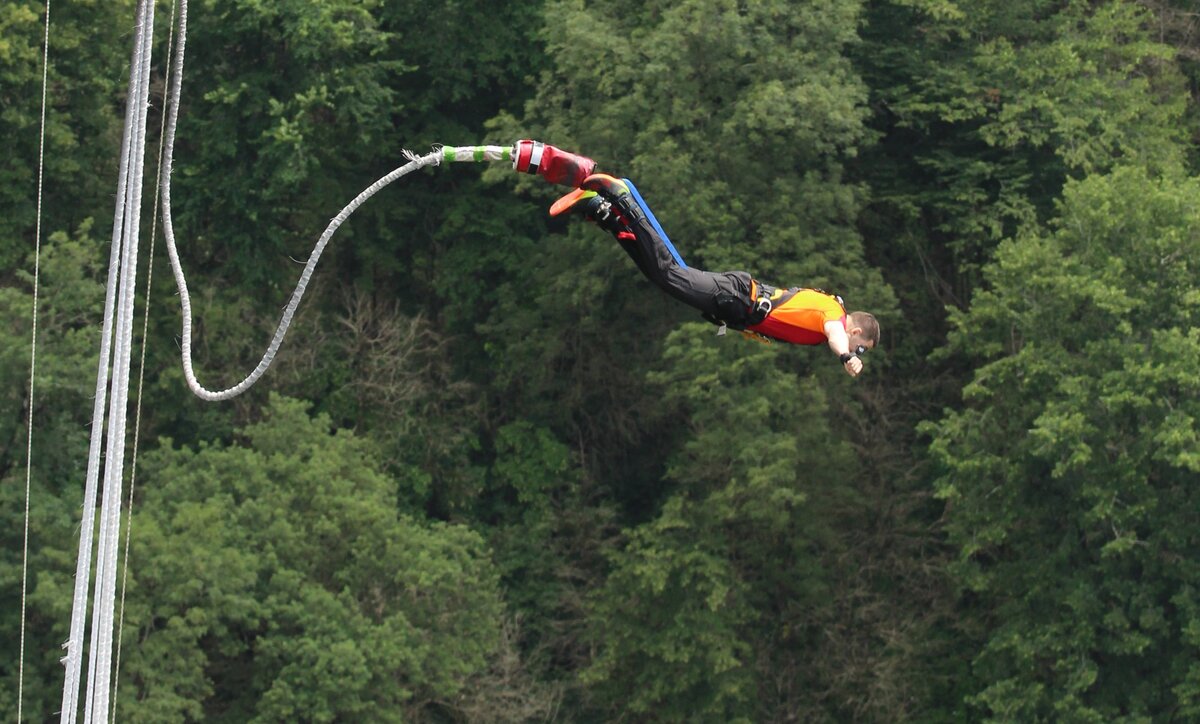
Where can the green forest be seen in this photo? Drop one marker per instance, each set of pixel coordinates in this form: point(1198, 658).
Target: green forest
point(494, 475)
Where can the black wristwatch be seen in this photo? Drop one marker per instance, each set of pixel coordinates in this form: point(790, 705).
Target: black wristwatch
point(846, 357)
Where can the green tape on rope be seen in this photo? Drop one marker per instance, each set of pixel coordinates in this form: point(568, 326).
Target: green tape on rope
point(477, 154)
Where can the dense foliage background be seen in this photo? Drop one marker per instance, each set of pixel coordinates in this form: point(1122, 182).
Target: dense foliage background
point(496, 476)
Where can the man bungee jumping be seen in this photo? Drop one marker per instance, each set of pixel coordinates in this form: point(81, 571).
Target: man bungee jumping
point(731, 299)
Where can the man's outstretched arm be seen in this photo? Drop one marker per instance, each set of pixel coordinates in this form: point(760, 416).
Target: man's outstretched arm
point(839, 342)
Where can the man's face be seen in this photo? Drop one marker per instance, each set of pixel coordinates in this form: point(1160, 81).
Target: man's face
point(858, 343)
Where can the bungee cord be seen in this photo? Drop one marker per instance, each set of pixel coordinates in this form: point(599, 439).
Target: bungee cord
point(528, 156)
point(185, 301)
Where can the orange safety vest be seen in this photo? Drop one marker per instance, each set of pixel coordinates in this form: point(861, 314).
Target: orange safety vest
point(799, 316)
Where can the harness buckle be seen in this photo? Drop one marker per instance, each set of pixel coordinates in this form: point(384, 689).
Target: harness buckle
point(605, 210)
point(759, 310)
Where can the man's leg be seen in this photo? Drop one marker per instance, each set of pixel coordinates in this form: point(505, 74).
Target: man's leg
point(595, 208)
point(709, 292)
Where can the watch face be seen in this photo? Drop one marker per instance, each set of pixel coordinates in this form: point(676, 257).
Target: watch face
point(860, 350)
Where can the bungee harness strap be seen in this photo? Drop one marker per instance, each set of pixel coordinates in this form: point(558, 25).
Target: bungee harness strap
point(761, 302)
point(637, 197)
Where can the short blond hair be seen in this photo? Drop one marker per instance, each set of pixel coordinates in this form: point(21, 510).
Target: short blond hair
point(868, 324)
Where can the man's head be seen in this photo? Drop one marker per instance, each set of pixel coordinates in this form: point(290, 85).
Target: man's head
point(863, 330)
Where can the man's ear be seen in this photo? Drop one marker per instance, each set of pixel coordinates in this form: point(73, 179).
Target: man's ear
point(853, 331)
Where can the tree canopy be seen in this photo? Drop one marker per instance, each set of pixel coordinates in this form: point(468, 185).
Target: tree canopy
point(494, 475)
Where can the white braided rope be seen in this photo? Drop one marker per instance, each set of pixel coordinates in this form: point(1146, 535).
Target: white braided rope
point(185, 302)
point(37, 266)
point(137, 420)
point(73, 659)
point(100, 672)
point(117, 317)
